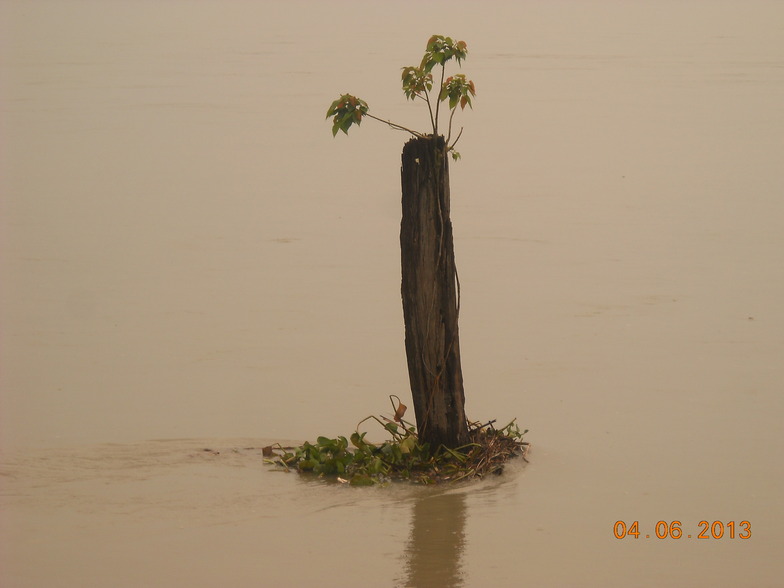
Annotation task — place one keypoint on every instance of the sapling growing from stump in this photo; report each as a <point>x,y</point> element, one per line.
<point>430,287</point>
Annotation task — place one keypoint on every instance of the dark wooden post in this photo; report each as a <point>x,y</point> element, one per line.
<point>430,295</point>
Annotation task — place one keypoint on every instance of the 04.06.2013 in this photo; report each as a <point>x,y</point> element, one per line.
<point>675,530</point>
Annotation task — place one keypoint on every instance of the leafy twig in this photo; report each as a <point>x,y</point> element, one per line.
<point>348,110</point>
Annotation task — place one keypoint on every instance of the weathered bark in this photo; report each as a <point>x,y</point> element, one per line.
<point>430,295</point>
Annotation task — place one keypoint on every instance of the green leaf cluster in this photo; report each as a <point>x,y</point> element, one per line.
<point>326,456</point>
<point>459,90</point>
<point>418,82</point>
<point>403,457</point>
<point>346,111</point>
<point>441,49</point>
<point>366,463</point>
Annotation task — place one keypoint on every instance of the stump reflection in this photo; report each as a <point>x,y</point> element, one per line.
<point>435,549</point>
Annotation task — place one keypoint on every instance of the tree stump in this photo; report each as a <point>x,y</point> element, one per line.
<point>430,292</point>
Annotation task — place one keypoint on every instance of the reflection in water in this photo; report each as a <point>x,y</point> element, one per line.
<point>435,547</point>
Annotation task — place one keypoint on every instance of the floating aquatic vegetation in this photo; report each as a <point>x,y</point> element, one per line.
<point>359,462</point>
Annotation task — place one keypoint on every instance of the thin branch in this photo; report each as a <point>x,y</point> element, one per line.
<point>449,133</point>
<point>396,126</point>
<point>438,100</point>
<point>430,111</point>
<point>452,146</point>
<point>457,283</point>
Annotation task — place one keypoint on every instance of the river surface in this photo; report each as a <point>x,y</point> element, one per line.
<point>192,267</point>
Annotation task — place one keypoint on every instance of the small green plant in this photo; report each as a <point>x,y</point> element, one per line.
<point>418,83</point>
<point>402,457</point>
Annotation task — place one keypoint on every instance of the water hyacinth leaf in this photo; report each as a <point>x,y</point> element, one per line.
<point>361,480</point>
<point>358,440</point>
<point>407,445</point>
<point>376,466</point>
<point>307,465</point>
<point>392,452</point>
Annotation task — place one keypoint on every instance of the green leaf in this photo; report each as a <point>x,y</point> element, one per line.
<point>361,480</point>
<point>376,466</point>
<point>407,444</point>
<point>456,454</point>
<point>358,440</point>
<point>307,465</point>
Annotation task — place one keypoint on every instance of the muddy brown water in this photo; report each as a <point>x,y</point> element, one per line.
<point>192,268</point>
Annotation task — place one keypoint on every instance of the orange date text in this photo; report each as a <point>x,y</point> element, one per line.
<point>676,530</point>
